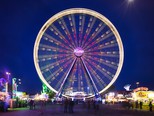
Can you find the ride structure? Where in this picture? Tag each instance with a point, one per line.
(78, 53)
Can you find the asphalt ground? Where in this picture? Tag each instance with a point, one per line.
(79, 110)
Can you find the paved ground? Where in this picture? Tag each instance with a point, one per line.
(79, 110)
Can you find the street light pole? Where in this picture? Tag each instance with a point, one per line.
(7, 82)
(19, 82)
(9, 88)
(137, 83)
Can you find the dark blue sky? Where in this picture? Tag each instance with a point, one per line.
(21, 20)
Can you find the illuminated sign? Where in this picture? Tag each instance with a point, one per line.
(142, 94)
(141, 89)
(78, 51)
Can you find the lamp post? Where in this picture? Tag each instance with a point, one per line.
(137, 83)
(18, 83)
(8, 81)
(9, 87)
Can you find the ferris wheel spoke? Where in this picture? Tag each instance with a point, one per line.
(100, 39)
(81, 27)
(108, 63)
(53, 40)
(72, 81)
(105, 36)
(66, 30)
(102, 50)
(53, 56)
(44, 47)
(90, 88)
(55, 73)
(100, 27)
(81, 72)
(106, 73)
(48, 48)
(96, 90)
(43, 58)
(99, 81)
(80, 83)
(93, 36)
(54, 64)
(109, 45)
(52, 79)
(59, 82)
(64, 80)
(88, 30)
(73, 28)
(114, 54)
(69, 83)
(60, 35)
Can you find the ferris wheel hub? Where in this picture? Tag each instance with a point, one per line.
(78, 51)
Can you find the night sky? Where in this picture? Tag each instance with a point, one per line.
(21, 20)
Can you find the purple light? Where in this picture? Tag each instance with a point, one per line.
(7, 73)
(78, 51)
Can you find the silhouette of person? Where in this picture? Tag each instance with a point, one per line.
(141, 104)
(136, 104)
(71, 106)
(65, 105)
(150, 106)
(31, 104)
(88, 104)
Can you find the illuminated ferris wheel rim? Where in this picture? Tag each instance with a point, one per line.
(78, 11)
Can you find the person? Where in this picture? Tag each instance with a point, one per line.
(141, 104)
(136, 104)
(94, 104)
(71, 106)
(34, 104)
(31, 104)
(43, 104)
(88, 104)
(97, 105)
(65, 105)
(130, 104)
(150, 106)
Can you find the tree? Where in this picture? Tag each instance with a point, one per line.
(46, 90)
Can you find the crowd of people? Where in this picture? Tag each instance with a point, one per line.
(89, 104)
(68, 105)
(136, 105)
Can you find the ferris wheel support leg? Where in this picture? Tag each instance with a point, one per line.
(95, 88)
(62, 85)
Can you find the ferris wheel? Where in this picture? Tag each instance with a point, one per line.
(78, 52)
